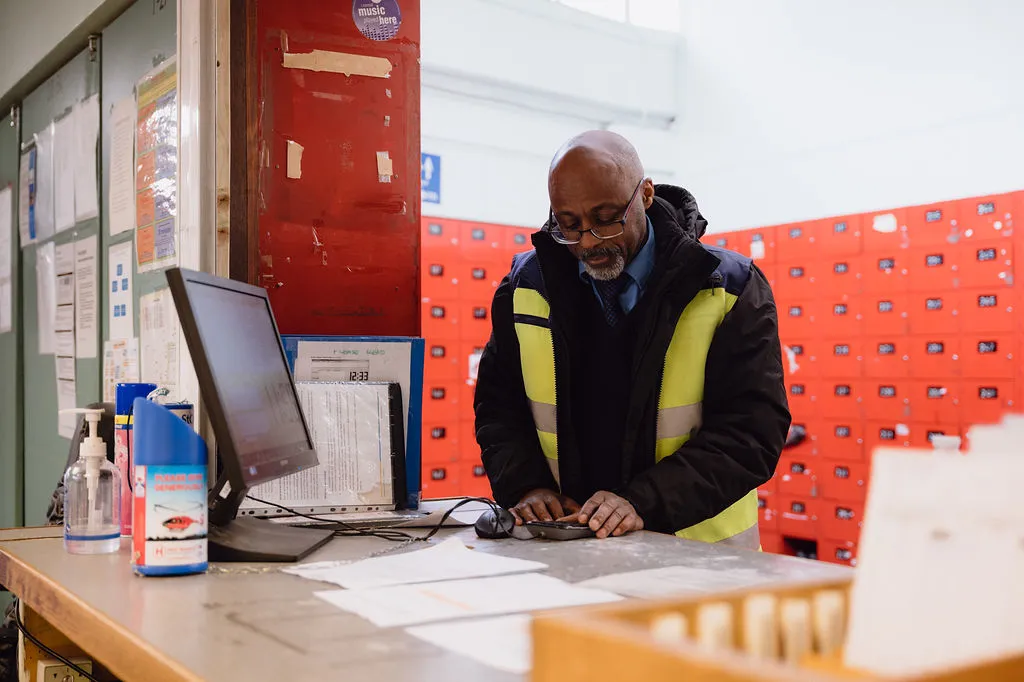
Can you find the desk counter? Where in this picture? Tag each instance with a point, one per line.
(252, 622)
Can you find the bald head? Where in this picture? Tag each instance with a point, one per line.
(600, 148)
(596, 180)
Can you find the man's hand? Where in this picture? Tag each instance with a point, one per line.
(543, 505)
(608, 514)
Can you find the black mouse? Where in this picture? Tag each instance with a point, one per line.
(494, 525)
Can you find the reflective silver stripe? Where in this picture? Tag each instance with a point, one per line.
(675, 422)
(544, 416)
(748, 539)
(553, 465)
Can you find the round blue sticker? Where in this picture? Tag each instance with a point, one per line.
(377, 19)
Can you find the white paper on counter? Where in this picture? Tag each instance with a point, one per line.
(64, 147)
(6, 249)
(121, 198)
(86, 298)
(46, 296)
(44, 183)
(120, 311)
(404, 605)
(120, 365)
(87, 130)
(448, 560)
(502, 643)
(158, 340)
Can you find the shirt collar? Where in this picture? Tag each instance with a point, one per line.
(640, 268)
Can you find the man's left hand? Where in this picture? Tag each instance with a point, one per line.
(608, 514)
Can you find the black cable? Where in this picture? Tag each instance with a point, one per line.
(392, 533)
(30, 637)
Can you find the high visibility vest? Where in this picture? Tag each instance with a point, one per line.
(679, 401)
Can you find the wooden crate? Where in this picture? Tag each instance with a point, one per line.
(614, 642)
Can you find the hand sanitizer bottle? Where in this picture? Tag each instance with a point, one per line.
(92, 506)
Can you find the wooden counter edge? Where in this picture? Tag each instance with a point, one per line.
(119, 649)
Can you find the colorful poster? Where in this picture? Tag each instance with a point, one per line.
(156, 169)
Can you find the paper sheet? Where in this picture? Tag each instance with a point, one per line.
(404, 605)
(64, 337)
(44, 183)
(156, 169)
(502, 643)
(86, 299)
(120, 365)
(27, 197)
(87, 130)
(120, 311)
(121, 197)
(449, 560)
(46, 296)
(64, 147)
(158, 340)
(66, 400)
(941, 556)
(356, 361)
(351, 431)
(6, 248)
(679, 580)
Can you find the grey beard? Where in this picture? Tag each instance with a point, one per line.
(609, 272)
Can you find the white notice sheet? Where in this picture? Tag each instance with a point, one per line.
(87, 129)
(64, 338)
(449, 560)
(158, 342)
(121, 199)
(44, 183)
(120, 365)
(46, 296)
(120, 312)
(6, 254)
(86, 298)
(64, 146)
(404, 605)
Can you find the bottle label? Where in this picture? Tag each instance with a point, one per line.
(170, 525)
(122, 459)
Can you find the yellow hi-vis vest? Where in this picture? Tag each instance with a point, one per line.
(679, 402)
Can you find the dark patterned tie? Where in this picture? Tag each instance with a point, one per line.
(609, 291)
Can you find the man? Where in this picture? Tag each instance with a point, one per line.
(630, 368)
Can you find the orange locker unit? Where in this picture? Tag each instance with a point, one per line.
(463, 263)
(896, 326)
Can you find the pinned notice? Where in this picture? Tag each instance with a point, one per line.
(295, 159)
(339, 62)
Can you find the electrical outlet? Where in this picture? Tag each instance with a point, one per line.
(54, 671)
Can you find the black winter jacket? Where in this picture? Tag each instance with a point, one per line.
(745, 413)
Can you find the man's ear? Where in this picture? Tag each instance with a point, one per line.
(648, 192)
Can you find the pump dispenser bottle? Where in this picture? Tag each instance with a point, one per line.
(92, 504)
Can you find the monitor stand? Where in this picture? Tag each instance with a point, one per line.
(250, 539)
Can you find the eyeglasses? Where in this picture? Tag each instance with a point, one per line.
(601, 229)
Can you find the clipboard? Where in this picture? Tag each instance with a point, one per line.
(358, 432)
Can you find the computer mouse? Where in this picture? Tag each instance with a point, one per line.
(494, 525)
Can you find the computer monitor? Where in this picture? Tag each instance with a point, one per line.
(250, 397)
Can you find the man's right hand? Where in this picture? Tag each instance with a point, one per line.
(543, 505)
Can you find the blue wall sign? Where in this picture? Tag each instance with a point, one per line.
(430, 178)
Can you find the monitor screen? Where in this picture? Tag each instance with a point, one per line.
(250, 377)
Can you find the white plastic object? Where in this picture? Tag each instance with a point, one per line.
(795, 618)
(829, 621)
(714, 626)
(92, 506)
(760, 626)
(669, 628)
